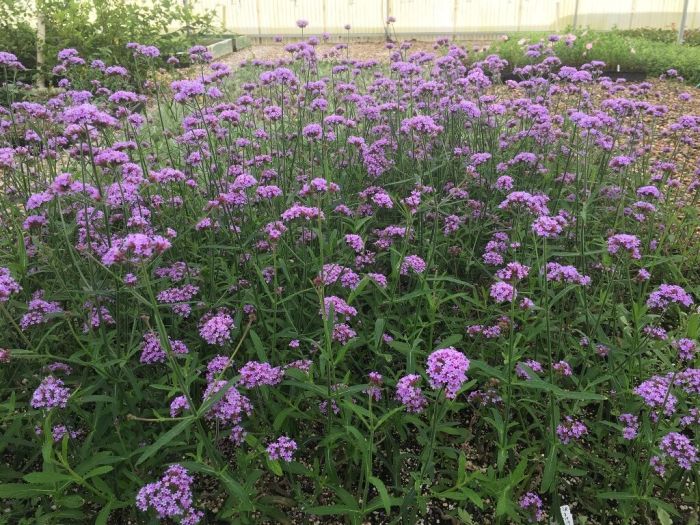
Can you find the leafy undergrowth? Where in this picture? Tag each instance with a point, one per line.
(627, 52)
(350, 291)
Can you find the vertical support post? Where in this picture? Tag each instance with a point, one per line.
(257, 16)
(633, 8)
(575, 22)
(455, 6)
(186, 5)
(684, 18)
(40, 44)
(386, 17)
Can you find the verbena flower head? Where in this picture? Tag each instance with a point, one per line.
(412, 263)
(631, 423)
(503, 292)
(153, 352)
(447, 368)
(626, 242)
(680, 448)
(532, 504)
(51, 393)
(667, 294)
(410, 394)
(231, 408)
(570, 430)
(656, 393)
(282, 449)
(339, 306)
(215, 328)
(171, 496)
(8, 285)
(687, 348)
(255, 373)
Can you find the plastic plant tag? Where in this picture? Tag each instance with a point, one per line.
(566, 515)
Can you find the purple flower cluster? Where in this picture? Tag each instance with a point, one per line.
(38, 309)
(412, 263)
(153, 352)
(680, 448)
(282, 449)
(502, 292)
(51, 393)
(215, 328)
(532, 504)
(230, 408)
(255, 374)
(631, 423)
(567, 274)
(667, 294)
(8, 285)
(626, 242)
(570, 429)
(171, 497)
(410, 394)
(447, 368)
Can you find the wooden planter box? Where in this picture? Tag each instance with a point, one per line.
(222, 45)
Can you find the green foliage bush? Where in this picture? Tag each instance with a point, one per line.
(633, 54)
(691, 37)
(97, 29)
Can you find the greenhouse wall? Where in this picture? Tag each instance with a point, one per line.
(267, 18)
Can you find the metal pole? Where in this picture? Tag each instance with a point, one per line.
(684, 16)
(576, 14)
(40, 44)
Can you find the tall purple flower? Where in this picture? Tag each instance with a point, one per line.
(282, 449)
(255, 373)
(680, 448)
(408, 393)
(532, 504)
(8, 285)
(503, 292)
(570, 429)
(412, 263)
(667, 294)
(215, 329)
(447, 368)
(171, 496)
(51, 393)
(626, 242)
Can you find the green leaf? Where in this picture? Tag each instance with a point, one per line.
(462, 469)
(332, 510)
(378, 331)
(258, 345)
(550, 469)
(104, 469)
(22, 491)
(46, 477)
(383, 493)
(664, 518)
(103, 515)
(71, 502)
(274, 467)
(164, 440)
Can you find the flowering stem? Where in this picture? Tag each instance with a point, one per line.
(503, 449)
(14, 325)
(438, 407)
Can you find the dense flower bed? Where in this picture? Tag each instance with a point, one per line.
(354, 290)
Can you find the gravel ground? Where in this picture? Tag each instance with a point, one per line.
(356, 50)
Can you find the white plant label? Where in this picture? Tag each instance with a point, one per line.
(566, 515)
